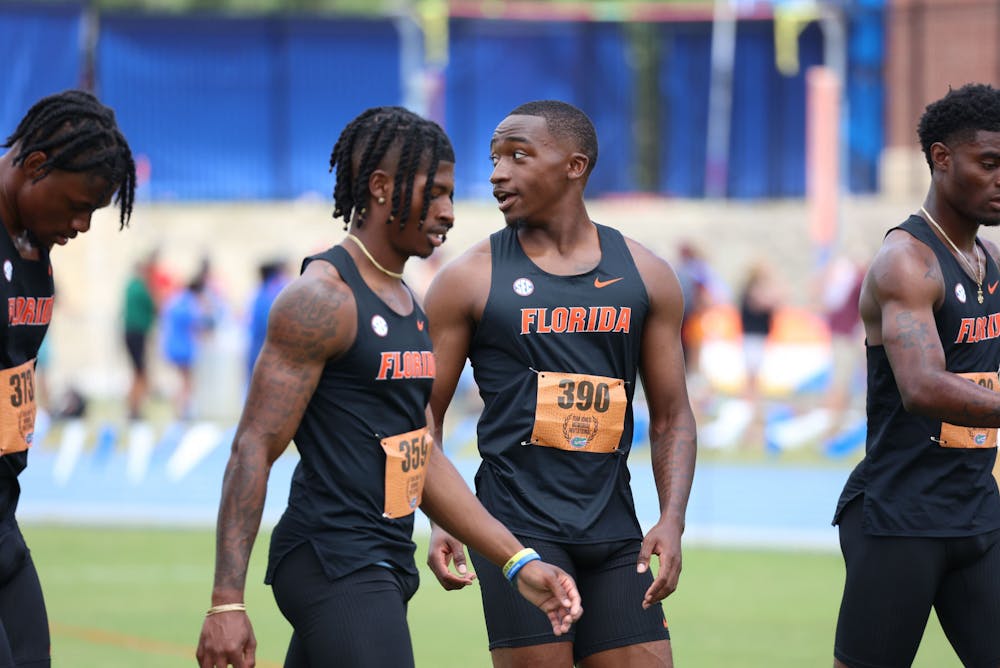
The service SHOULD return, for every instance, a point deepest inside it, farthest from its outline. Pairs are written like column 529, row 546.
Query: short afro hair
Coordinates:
column 565, row 121
column 958, row 116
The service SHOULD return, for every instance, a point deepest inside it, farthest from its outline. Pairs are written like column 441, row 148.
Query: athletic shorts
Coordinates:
column 610, row 589
column 24, row 624
column 357, row 621
column 135, row 344
column 892, row 583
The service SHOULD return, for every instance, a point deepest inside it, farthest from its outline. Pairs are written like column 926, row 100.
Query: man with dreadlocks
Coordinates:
column 919, row 516
column 346, row 370
column 65, row 160
column 559, row 316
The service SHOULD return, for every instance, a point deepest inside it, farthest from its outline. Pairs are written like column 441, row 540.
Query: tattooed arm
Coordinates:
column 901, row 291
column 672, row 437
column 312, row 321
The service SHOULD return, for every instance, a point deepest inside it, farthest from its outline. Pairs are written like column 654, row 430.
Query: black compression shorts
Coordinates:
column 24, row 624
column 610, row 589
column 892, row 583
column 358, row 620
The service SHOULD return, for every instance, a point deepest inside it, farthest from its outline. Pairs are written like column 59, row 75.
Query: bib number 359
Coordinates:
column 406, row 459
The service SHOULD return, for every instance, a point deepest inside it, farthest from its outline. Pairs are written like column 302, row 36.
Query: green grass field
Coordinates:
column 127, row 597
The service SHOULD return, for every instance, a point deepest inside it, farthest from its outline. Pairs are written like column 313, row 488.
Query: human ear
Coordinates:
column 32, row 164
column 576, row 167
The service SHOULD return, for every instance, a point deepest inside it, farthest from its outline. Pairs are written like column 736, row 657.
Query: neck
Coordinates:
column 7, row 213
column 959, row 229
column 370, row 258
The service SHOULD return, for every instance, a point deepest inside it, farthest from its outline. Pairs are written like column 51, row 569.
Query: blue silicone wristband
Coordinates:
column 512, row 573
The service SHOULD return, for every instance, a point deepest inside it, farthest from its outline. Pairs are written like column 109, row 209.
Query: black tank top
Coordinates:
column 27, row 290
column 378, row 388
column 534, row 321
column 912, row 485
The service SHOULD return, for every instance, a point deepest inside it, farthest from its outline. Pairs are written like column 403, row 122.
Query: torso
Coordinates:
column 915, row 480
column 27, row 289
column 582, row 332
column 377, row 389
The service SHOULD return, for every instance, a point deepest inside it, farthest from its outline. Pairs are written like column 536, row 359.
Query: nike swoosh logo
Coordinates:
column 992, row 287
column 598, row 283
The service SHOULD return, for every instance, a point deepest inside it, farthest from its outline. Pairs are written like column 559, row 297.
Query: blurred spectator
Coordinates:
column 702, row 287
column 187, row 317
column 273, row 277
column 840, row 292
column 139, row 315
column 162, row 284
column 760, row 297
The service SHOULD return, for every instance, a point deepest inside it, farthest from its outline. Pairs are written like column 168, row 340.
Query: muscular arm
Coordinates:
column 901, row 291
column 313, row 320
column 672, row 435
column 453, row 305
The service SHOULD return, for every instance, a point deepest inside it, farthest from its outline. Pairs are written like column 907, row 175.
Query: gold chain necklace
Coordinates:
column 978, row 274
column 394, row 274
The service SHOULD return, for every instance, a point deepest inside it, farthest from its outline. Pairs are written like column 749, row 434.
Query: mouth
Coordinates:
column 504, row 198
column 438, row 236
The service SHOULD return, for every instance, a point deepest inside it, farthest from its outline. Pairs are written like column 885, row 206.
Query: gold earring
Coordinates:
column 381, row 200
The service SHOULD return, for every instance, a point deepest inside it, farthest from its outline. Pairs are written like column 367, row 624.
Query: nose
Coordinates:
column 446, row 212
column 499, row 173
column 81, row 222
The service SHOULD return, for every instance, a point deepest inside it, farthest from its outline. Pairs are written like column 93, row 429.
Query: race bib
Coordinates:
column 953, row 436
column 406, row 459
column 17, row 409
column 579, row 412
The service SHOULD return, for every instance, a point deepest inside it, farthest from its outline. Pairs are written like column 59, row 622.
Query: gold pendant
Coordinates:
column 980, row 296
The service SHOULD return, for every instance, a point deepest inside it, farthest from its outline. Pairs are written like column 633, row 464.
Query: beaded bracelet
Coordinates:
column 226, row 607
column 517, row 562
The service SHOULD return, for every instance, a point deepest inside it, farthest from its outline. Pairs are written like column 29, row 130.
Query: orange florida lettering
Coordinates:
column 29, row 310
column 983, row 328
column 396, row 365
column 576, row 319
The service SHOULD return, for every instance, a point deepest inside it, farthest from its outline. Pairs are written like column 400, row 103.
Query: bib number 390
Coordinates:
column 17, row 410
column 406, row 459
column 579, row 412
column 955, row 436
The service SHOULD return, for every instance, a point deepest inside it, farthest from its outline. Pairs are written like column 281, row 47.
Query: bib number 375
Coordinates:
column 17, row 409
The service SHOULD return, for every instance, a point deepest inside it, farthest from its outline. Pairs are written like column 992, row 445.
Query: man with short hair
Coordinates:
column 920, row 514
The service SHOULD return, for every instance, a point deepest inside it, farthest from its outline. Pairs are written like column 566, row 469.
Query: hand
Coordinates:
column 553, row 591
column 664, row 540
column 227, row 639
column 442, row 551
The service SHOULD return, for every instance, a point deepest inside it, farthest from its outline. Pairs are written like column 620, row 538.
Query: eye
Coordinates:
column 520, row 154
column 494, row 159
column 990, row 165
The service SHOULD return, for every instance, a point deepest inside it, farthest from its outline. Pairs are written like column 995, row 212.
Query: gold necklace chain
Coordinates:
column 978, row 273
column 394, row 274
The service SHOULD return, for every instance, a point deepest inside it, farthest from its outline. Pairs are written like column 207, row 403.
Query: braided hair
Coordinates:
column 78, row 134
column 378, row 137
column 958, row 115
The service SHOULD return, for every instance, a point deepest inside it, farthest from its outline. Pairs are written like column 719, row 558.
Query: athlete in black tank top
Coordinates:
column 346, row 370
column 558, row 316
column 919, row 516
column 537, row 323
column 65, row 160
